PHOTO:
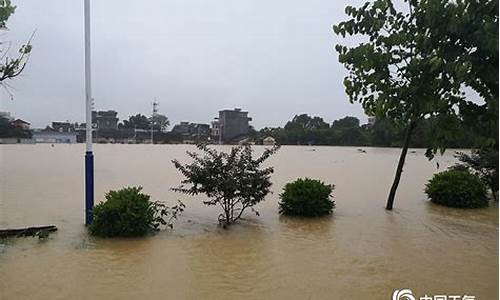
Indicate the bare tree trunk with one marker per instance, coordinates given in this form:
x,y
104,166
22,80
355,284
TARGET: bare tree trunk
x,y
227,210
399,170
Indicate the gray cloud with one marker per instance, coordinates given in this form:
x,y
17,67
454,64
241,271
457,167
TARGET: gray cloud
x,y
272,58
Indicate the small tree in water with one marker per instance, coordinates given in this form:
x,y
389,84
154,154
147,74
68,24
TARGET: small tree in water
x,y
235,181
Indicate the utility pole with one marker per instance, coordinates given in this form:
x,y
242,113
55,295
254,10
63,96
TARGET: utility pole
x,y
155,112
220,133
89,156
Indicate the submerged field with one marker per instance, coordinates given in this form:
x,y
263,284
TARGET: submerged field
x,y
360,252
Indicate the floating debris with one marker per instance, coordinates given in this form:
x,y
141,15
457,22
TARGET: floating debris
x,y
39,231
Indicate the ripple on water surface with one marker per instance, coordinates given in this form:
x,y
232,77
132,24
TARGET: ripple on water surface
x,y
360,251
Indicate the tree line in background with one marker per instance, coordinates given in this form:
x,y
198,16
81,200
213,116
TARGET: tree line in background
x,y
308,130
139,121
312,130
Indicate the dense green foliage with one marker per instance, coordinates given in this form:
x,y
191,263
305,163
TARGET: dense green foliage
x,y
417,60
11,67
6,10
415,63
464,35
306,197
305,130
138,121
8,130
128,212
234,181
160,122
484,164
348,132
457,188
305,122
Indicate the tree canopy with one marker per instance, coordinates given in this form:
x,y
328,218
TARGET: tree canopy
x,y
347,131
415,62
465,36
234,181
6,10
160,122
346,122
304,121
11,67
138,121
397,74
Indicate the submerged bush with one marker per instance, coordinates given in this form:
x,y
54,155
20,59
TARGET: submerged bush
x,y
128,212
457,188
306,197
484,164
234,181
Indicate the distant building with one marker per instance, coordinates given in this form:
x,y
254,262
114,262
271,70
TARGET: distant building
x,y
106,119
215,128
63,127
21,124
192,131
81,133
16,141
200,130
54,137
269,141
182,128
233,124
245,141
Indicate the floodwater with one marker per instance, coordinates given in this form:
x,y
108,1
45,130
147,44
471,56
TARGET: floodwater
x,y
360,252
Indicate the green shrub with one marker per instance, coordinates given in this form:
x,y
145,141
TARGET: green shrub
x,y
128,212
484,164
457,188
306,197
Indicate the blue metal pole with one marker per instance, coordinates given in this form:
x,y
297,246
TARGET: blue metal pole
x,y
89,187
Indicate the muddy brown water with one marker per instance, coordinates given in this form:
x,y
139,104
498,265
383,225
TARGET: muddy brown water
x,y
360,252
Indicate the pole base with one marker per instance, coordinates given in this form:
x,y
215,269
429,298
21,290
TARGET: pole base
x,y
89,187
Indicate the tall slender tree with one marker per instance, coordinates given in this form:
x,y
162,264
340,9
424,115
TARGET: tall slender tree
x,y
406,71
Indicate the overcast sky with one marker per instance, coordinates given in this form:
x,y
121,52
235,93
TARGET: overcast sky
x,y
272,58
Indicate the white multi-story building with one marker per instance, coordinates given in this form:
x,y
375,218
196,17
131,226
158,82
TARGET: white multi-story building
x,y
54,137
